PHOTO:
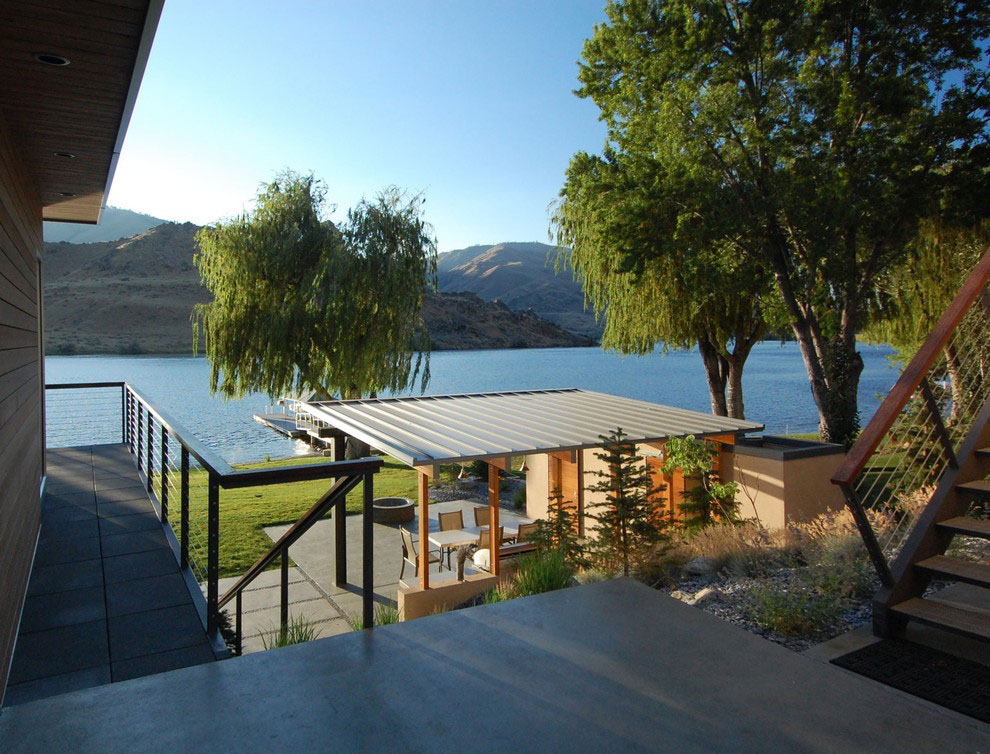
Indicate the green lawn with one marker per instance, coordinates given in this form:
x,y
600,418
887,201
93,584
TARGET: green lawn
x,y
245,512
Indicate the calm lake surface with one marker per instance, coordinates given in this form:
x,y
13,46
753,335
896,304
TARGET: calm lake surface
x,y
775,386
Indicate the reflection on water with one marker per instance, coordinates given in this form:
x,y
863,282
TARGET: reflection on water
x,y
775,385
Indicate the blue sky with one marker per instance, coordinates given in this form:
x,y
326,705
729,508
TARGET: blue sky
x,y
469,102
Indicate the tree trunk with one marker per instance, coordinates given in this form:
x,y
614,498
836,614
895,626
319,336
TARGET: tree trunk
x,y
716,370
734,396
355,448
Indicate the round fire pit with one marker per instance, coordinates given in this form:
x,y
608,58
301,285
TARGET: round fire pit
x,y
393,510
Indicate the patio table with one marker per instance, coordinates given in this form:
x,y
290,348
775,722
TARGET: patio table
x,y
466,536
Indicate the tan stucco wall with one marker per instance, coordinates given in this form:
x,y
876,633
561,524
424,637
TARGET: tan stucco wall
x,y
418,603
776,491
537,485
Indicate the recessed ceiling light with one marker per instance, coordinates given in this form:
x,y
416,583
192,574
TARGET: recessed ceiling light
x,y
50,58
65,193
67,155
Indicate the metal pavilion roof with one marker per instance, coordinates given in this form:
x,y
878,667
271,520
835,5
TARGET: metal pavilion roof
x,y
433,429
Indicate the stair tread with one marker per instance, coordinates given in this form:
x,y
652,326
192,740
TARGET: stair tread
x,y
975,527
980,485
983,452
968,622
961,570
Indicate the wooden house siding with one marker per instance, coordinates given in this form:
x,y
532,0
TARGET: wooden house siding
x,y
21,389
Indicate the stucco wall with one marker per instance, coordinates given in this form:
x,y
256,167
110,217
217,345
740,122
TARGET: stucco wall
x,y
537,485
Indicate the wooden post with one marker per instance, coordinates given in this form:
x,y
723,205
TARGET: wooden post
x,y
424,530
494,544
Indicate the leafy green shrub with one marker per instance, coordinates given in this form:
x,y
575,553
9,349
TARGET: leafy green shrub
x,y
384,615
297,631
798,610
479,469
712,500
542,572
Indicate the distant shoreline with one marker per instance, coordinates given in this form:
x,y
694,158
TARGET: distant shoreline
x,y
201,355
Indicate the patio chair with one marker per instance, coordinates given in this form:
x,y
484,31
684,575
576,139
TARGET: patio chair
x,y
525,533
482,515
483,555
448,522
411,555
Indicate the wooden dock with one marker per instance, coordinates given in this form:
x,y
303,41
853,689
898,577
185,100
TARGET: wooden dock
x,y
284,424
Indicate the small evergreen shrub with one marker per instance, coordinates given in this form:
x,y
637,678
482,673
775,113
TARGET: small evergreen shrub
x,y
519,499
558,531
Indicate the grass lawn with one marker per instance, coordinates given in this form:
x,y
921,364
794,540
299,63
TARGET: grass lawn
x,y
245,512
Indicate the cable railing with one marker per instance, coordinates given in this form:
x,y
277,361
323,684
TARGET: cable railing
x,y
184,479
893,470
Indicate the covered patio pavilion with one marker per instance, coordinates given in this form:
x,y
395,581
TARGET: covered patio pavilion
x,y
427,431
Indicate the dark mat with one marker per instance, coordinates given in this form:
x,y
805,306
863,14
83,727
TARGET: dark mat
x,y
948,681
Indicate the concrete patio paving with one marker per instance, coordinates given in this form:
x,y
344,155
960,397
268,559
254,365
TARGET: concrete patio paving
x,y
106,600
613,666
314,556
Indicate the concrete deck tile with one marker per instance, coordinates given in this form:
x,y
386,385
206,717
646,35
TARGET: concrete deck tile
x,y
139,565
40,654
64,577
52,551
109,481
134,522
133,492
267,620
151,593
124,507
44,611
84,529
263,580
145,633
30,691
68,513
258,599
134,541
161,662
80,498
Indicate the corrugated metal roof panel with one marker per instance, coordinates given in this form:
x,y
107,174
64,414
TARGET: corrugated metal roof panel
x,y
425,430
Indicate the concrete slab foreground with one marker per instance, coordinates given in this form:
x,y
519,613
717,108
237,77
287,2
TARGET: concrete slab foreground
x,y
612,666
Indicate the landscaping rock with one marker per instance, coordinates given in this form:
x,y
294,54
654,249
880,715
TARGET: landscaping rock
x,y
700,567
677,594
706,596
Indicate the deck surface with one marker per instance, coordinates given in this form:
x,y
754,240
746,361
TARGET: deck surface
x,y
613,666
106,601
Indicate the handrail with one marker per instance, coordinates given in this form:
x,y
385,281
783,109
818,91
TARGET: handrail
x,y
340,488
300,472
912,376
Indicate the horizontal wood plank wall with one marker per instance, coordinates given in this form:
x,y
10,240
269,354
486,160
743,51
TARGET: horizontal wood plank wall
x,y
21,435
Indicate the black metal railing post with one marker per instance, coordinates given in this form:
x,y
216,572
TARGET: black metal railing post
x,y
284,611
184,508
873,548
237,625
213,554
164,496
367,553
150,442
140,429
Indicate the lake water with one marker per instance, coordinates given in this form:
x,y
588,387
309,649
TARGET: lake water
x,y
775,386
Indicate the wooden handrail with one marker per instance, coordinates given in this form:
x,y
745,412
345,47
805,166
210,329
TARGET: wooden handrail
x,y
899,395
341,487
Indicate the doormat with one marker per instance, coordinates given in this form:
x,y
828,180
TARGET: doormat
x,y
944,679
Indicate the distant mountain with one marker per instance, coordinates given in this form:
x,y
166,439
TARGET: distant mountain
x,y
136,295
115,223
521,276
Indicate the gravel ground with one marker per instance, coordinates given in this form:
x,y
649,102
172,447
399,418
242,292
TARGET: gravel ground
x,y
472,488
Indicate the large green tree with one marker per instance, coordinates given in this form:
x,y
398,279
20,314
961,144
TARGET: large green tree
x,y
301,303
808,136
686,293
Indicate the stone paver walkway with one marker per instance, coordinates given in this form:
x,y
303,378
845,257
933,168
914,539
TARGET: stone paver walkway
x,y
106,601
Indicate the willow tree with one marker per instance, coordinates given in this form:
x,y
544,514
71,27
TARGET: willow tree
x,y
654,290
808,136
303,304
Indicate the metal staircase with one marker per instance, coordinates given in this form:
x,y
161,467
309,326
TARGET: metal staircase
x,y
916,480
